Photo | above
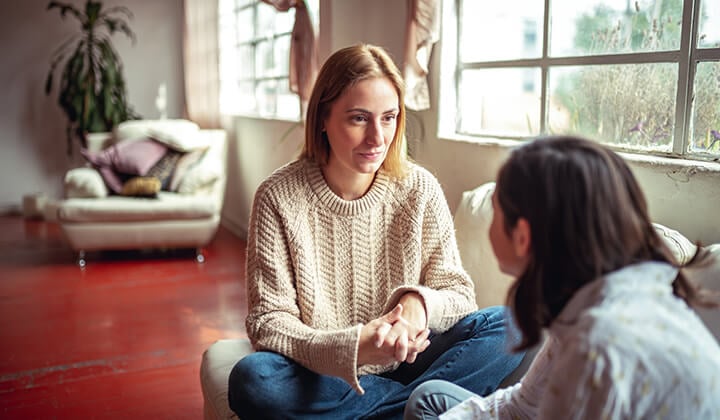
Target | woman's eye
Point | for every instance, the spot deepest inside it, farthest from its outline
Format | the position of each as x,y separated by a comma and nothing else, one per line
390,117
359,118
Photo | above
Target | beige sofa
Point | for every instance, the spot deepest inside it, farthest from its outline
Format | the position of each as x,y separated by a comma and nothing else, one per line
472,221
92,218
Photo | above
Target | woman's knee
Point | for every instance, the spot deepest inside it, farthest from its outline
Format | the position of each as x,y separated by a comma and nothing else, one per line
247,384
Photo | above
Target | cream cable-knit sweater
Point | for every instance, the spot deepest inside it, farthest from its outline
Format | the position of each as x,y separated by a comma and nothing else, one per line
319,267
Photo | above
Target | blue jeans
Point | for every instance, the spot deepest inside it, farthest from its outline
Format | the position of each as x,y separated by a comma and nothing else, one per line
474,353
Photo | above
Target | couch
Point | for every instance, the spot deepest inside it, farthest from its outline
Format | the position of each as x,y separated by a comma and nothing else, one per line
159,184
472,221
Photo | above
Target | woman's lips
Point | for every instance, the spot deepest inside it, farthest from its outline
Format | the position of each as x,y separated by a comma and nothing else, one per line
371,155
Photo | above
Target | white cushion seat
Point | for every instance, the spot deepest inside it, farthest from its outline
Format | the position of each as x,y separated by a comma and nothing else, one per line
217,362
167,206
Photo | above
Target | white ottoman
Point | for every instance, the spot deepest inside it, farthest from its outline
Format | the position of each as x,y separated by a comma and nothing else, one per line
217,362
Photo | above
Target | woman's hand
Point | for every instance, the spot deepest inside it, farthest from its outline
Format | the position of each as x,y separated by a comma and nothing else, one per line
397,336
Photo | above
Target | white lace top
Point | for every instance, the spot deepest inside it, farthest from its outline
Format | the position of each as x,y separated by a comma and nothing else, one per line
623,347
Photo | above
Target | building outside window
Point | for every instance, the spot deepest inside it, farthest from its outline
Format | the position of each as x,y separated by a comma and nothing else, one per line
641,76
254,59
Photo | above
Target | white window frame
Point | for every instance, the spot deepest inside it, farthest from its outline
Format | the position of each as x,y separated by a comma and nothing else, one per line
686,57
280,77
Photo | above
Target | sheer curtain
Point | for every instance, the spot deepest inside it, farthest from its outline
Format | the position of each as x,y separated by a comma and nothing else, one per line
303,50
201,59
422,32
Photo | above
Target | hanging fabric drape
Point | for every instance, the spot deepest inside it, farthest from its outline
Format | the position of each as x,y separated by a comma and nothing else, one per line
201,59
303,49
422,32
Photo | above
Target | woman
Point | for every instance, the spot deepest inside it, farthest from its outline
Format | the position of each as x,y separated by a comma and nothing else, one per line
356,292
571,224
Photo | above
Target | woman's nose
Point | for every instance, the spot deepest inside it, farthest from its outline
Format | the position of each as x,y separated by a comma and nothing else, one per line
375,134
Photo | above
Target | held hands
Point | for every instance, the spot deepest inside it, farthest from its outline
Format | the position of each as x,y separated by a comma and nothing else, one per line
397,336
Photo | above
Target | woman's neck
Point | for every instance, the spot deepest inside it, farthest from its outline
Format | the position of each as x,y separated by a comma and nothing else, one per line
347,186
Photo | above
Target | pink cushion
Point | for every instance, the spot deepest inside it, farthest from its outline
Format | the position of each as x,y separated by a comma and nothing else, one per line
133,157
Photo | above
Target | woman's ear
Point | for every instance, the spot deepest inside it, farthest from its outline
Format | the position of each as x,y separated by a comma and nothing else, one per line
521,238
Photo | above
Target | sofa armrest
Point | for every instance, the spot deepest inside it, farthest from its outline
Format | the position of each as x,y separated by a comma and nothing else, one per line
84,183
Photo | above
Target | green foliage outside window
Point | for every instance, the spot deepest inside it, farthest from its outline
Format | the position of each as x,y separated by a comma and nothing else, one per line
633,105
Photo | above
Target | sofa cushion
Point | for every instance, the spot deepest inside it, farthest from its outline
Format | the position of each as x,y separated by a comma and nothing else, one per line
472,223
141,186
186,162
199,177
84,183
126,159
133,129
167,206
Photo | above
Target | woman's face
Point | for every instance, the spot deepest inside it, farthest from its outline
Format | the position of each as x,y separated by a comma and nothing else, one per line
361,126
511,250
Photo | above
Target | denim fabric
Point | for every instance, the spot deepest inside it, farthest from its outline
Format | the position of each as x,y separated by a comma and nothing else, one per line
433,398
474,354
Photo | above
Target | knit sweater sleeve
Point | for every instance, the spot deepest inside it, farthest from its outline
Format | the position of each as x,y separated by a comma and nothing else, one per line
274,319
445,286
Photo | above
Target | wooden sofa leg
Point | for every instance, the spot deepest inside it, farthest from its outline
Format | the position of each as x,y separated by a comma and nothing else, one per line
199,257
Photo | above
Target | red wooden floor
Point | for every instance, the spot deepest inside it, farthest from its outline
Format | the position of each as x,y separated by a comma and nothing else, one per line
122,338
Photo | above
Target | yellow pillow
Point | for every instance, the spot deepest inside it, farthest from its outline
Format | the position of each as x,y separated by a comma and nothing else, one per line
141,186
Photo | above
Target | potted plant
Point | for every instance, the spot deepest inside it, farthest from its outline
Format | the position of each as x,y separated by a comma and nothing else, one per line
92,90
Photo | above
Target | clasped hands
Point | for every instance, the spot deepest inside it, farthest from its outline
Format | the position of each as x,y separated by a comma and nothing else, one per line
398,336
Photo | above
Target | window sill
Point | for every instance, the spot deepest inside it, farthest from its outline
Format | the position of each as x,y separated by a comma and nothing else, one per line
671,164
263,117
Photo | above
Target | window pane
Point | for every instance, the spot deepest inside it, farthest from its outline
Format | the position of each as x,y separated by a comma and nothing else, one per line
288,103
630,105
281,52
709,24
245,25
706,109
264,59
614,26
284,21
496,30
266,20
237,97
245,62
266,95
500,101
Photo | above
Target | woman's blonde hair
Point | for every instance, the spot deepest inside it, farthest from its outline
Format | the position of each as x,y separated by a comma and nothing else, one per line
344,69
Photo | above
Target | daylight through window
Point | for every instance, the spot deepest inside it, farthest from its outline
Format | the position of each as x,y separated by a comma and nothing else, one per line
639,75
254,59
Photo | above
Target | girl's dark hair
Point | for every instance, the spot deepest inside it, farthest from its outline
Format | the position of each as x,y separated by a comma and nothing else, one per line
588,216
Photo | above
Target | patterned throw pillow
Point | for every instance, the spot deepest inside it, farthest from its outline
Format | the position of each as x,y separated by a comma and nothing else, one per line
165,168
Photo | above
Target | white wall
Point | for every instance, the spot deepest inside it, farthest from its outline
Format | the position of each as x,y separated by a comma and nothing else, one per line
32,125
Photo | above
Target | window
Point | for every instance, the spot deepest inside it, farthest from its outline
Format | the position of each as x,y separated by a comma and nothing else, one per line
254,59
639,75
